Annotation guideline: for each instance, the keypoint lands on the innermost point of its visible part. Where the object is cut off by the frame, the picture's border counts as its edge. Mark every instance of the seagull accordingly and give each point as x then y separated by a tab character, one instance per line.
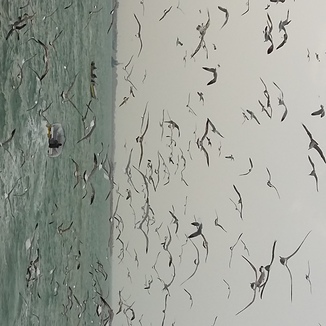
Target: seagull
7	194
268	269
175	221
268	99
263	109
20	74
314	144
308	277
262	276
196	262
173	125
269	24
9	139
245	118
92	126
178	42
76	172
45	58
229	288
253	116
284	260
93	194
201	140
199	230
245	248
65	95
201	97
320	112
166	11
217	224
232	248
197	233
268	34
202	29
226	15
213	71
240	210
139	35
230	157
190	298
19	24
250	169
281	102
317	56
247	3
283	23
285	38
124	100
269	182
61	230
313	172
86	176
140	140
201	147
209	122
253	285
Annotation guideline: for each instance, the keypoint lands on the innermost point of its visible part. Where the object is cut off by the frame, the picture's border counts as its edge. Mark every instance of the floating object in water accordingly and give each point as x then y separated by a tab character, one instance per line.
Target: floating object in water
56	133
93	90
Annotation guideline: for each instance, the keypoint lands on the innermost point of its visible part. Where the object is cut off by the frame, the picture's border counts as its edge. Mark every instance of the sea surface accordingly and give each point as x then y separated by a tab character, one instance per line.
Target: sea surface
54	252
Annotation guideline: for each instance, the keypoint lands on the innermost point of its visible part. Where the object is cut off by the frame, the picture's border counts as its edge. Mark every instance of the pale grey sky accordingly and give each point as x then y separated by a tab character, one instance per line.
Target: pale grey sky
282	147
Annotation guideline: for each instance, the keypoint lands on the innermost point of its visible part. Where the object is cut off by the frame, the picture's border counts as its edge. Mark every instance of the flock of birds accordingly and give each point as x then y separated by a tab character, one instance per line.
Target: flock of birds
162	249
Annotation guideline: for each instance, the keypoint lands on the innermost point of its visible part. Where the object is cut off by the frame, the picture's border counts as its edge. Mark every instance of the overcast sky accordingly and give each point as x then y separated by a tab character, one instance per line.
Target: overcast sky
241	59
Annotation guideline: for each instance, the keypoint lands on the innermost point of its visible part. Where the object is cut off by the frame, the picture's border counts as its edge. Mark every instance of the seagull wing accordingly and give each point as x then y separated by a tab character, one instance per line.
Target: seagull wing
287	258
317	148
254	296
226	15
307	131
285	113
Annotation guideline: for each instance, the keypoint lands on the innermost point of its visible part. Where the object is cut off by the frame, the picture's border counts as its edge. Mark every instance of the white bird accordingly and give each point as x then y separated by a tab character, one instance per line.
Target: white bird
91	128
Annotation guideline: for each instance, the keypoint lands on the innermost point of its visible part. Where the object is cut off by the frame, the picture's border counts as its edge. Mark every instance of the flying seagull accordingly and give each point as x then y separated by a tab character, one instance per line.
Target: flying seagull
268	269
77	174
202	31
199	230
254	285
226	15
92	126
166	11
313	172
314	144
139	35
269	183
250	169
213	71
253	116
281	102
308	277
320	112
284	260
9	139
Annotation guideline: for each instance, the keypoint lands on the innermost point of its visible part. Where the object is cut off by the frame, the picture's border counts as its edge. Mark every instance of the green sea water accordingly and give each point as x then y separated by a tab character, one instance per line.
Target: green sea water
50	276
